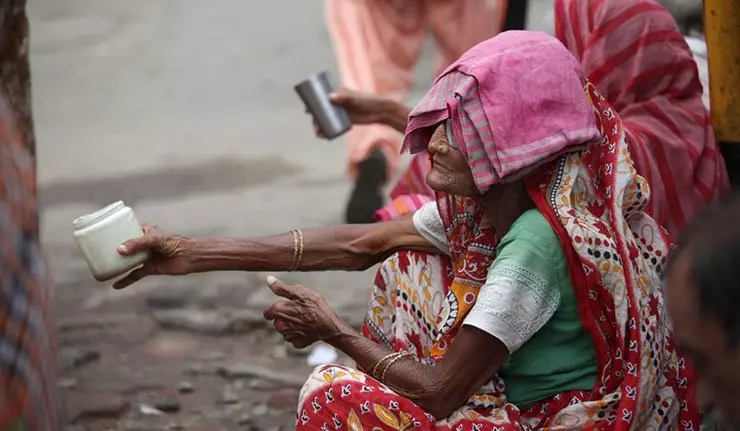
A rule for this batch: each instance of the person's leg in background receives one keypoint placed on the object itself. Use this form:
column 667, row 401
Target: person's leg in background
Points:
column 457, row 25
column 516, row 15
column 377, row 43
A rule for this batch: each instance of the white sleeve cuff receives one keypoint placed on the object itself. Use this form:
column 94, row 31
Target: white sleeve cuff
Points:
column 486, row 320
column 429, row 225
column 513, row 304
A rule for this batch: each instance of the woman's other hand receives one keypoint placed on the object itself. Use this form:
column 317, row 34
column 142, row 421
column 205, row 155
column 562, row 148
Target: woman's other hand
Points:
column 303, row 317
column 362, row 108
column 170, row 255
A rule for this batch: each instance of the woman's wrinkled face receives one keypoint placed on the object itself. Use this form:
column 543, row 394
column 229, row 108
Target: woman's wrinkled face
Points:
column 450, row 171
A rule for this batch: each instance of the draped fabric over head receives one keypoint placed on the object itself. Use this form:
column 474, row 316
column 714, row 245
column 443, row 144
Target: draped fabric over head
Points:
column 520, row 108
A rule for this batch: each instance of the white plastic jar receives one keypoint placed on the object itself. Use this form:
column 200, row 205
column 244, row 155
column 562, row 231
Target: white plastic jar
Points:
column 98, row 236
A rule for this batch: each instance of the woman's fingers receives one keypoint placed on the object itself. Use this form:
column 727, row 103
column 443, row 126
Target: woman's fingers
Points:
column 276, row 310
column 136, row 245
column 338, row 98
column 317, row 130
column 287, row 311
column 299, row 342
column 131, row 278
column 281, row 289
column 291, row 335
column 282, row 326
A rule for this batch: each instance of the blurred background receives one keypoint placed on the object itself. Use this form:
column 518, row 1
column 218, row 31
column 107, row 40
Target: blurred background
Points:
column 185, row 110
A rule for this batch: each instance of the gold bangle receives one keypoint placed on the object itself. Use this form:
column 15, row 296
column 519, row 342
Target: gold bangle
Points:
column 374, row 370
column 299, row 255
column 295, row 249
column 393, row 361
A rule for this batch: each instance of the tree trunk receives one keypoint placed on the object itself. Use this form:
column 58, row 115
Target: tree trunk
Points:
column 15, row 73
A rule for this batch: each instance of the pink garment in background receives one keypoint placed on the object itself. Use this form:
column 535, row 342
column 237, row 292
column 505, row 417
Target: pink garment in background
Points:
column 634, row 54
column 378, row 42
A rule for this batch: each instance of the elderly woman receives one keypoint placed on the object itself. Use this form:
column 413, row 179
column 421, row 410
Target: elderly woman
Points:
column 526, row 296
column 632, row 51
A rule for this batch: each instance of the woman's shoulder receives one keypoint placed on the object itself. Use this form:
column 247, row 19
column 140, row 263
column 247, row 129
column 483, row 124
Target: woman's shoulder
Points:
column 533, row 225
column 531, row 234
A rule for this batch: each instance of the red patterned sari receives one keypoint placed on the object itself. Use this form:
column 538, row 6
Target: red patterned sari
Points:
column 581, row 176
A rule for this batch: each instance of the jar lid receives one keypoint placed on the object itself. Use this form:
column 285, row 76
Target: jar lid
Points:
column 92, row 218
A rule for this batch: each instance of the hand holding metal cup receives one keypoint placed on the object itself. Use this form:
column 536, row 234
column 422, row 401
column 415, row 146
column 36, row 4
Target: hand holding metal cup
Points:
column 331, row 119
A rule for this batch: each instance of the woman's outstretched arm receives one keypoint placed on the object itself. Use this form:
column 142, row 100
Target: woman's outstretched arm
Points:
column 347, row 247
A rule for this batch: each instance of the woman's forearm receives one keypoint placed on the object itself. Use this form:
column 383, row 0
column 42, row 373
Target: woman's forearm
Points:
column 406, row 377
column 471, row 360
column 323, row 249
column 397, row 116
column 347, row 247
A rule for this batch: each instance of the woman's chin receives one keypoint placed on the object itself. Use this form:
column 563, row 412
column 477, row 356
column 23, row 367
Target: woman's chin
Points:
column 437, row 182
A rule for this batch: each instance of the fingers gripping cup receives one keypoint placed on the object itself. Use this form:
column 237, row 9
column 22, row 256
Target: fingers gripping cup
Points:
column 98, row 236
column 332, row 120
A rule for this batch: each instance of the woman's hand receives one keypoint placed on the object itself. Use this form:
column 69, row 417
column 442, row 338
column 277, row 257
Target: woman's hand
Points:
column 363, row 108
column 170, row 255
column 304, row 317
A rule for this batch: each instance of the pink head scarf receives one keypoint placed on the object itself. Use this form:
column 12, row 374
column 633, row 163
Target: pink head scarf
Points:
column 500, row 97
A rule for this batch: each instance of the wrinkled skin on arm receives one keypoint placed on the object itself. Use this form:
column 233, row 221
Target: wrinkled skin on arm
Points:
column 348, row 248
column 303, row 317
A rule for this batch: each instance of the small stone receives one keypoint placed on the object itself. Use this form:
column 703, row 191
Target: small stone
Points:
column 260, row 410
column 171, row 346
column 211, row 356
column 232, row 410
column 244, row 420
column 255, row 371
column 73, row 358
column 191, row 320
column 279, row 352
column 167, row 300
column 148, row 410
column 167, row 405
column 229, row 395
column 140, row 426
column 67, row 383
column 175, row 426
column 198, row 369
column 186, row 388
column 93, row 406
column 283, row 399
column 210, row 321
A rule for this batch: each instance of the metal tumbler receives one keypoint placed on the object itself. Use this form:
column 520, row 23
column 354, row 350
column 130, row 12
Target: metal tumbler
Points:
column 333, row 120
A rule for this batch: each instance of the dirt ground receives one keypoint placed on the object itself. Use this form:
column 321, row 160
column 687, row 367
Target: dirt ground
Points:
column 178, row 361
